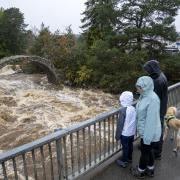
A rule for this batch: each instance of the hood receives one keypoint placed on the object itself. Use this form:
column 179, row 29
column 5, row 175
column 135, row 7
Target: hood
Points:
column 152, row 68
column 126, row 98
column 146, row 83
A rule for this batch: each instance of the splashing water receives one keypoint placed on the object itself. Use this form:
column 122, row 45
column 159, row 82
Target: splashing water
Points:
column 30, row 107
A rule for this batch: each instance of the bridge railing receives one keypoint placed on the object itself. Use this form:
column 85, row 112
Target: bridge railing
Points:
column 68, row 153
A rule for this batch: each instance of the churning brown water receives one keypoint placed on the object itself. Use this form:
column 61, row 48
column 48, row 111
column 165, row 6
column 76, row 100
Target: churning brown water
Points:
column 30, row 107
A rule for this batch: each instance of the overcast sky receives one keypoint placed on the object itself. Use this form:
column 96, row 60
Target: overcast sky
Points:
column 57, row 14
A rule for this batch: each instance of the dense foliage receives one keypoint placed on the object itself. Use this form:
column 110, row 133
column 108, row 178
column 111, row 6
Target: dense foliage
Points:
column 118, row 37
column 12, row 32
column 100, row 18
column 147, row 23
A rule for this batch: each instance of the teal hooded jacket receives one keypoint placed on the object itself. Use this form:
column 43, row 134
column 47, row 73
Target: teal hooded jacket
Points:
column 148, row 112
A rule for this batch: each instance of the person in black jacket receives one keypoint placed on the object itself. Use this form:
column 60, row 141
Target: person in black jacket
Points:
column 152, row 67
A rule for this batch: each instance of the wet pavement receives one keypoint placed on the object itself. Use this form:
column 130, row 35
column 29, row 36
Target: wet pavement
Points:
column 168, row 168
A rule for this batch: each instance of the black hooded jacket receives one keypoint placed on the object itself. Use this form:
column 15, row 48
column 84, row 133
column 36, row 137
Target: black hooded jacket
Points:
column 160, row 84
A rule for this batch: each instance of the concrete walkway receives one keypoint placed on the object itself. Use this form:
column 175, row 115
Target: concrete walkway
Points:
column 168, row 168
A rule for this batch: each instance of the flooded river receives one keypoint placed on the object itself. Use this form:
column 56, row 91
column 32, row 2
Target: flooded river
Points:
column 30, row 107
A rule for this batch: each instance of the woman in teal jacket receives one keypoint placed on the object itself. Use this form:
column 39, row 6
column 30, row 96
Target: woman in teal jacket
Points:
column 148, row 125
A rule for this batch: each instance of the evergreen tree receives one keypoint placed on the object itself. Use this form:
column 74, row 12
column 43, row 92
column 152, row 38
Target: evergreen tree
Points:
column 147, row 23
column 42, row 43
column 99, row 19
column 12, row 31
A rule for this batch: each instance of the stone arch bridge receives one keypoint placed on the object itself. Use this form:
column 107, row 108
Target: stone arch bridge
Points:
column 44, row 63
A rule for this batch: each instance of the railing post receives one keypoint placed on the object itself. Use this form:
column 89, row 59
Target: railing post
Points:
column 60, row 159
column 34, row 164
column 4, row 171
column 25, row 166
column 95, row 149
column 51, row 160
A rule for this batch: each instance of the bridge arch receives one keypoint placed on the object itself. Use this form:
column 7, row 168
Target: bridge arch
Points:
column 44, row 63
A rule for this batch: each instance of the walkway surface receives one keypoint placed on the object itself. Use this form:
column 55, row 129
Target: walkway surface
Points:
column 168, row 168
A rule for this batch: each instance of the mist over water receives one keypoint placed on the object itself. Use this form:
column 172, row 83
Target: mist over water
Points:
column 30, row 107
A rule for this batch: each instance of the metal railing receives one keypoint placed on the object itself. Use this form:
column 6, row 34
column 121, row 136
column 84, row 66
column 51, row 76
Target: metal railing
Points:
column 68, row 153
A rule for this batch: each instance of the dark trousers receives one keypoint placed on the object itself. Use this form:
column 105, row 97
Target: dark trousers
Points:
column 157, row 146
column 147, row 156
column 127, row 147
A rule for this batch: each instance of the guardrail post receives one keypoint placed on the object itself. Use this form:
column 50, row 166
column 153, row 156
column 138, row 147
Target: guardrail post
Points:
column 60, row 159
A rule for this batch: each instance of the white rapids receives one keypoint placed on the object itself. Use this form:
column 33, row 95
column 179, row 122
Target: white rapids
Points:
column 30, row 107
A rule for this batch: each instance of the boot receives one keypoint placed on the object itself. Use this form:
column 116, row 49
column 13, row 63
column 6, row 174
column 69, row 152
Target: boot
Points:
column 135, row 172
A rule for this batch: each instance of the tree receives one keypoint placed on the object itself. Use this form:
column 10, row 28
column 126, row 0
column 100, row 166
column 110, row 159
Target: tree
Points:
column 57, row 47
column 147, row 23
column 43, row 43
column 99, row 20
column 12, row 31
column 30, row 39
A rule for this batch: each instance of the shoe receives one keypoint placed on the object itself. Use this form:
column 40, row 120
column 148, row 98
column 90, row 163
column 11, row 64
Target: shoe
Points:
column 139, row 146
column 175, row 151
column 157, row 157
column 121, row 163
column 136, row 173
column 150, row 172
column 171, row 138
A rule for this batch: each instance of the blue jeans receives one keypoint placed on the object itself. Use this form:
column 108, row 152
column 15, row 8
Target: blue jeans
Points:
column 127, row 147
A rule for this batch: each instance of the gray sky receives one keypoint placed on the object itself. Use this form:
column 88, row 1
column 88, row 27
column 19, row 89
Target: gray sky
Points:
column 57, row 14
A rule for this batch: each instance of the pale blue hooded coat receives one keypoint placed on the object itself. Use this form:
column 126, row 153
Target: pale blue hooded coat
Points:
column 148, row 112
